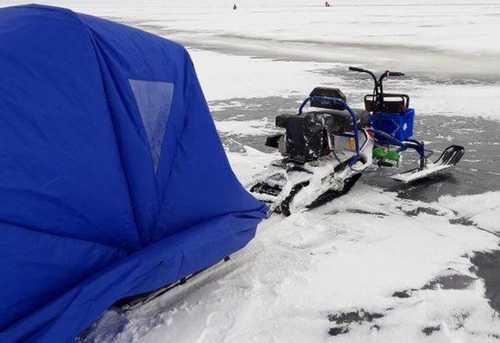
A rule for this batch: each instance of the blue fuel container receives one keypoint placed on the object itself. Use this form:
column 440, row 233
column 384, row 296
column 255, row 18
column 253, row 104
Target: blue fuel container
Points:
column 397, row 125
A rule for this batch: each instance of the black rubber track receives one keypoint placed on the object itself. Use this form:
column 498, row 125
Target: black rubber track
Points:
column 284, row 207
column 333, row 194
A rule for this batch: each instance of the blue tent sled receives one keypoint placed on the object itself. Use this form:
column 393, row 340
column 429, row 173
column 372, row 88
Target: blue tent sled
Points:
column 113, row 180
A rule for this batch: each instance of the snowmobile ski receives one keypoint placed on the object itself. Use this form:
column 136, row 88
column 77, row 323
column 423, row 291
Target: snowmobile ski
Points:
column 131, row 303
column 448, row 159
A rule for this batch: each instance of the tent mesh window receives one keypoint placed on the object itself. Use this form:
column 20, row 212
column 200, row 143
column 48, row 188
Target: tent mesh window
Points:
column 154, row 99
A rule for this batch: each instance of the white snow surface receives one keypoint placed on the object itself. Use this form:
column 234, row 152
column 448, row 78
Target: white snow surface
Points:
column 246, row 127
column 247, row 77
column 350, row 255
column 482, row 209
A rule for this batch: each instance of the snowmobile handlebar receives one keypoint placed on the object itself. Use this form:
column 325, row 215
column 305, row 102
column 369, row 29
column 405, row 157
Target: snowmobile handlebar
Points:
column 378, row 84
column 384, row 75
column 359, row 70
column 395, row 74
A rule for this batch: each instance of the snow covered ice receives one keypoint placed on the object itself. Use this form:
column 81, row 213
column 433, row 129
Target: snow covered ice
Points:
column 377, row 265
column 370, row 252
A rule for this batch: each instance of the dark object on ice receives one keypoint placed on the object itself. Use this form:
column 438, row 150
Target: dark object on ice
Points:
column 358, row 317
column 427, row 210
column 327, row 4
column 338, row 330
column 235, row 7
column 402, row 294
column 107, row 146
column 344, row 319
column 326, row 150
column 429, row 330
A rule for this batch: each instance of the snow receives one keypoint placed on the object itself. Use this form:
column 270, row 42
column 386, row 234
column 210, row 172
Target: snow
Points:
column 246, row 127
column 350, row 255
column 482, row 209
column 246, row 77
column 250, row 162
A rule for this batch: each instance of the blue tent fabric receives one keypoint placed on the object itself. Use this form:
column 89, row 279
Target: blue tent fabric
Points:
column 113, row 180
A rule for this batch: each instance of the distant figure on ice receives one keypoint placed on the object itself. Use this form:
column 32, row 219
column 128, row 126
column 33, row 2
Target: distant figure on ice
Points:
column 327, row 4
column 235, row 7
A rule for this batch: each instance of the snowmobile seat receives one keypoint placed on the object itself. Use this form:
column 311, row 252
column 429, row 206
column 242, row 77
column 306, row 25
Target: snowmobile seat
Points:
column 322, row 97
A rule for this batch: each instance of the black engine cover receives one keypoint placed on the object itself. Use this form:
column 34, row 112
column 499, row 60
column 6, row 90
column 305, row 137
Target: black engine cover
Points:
column 304, row 136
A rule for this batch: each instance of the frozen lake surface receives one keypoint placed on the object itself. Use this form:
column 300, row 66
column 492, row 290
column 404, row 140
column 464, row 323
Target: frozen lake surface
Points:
column 385, row 263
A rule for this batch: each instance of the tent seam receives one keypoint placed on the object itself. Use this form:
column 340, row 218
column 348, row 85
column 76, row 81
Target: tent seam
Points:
column 120, row 156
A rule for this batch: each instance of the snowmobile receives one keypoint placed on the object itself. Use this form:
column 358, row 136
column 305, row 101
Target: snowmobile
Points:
column 326, row 149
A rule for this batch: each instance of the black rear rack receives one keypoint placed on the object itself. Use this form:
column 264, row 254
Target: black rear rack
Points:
column 391, row 103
